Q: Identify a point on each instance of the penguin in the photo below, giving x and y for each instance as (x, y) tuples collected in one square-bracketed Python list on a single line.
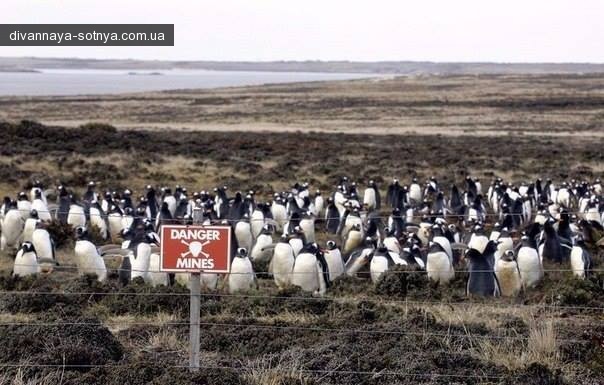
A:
[(43, 245), (164, 216), (241, 276), (478, 240), (504, 243), (243, 233), (360, 258), (76, 216), (38, 189), (279, 212), (508, 274), (98, 219), (127, 218), (308, 272), (415, 192), (580, 260), (391, 242), (353, 240), (332, 217), (157, 277), (140, 258), (529, 263), (282, 262), (438, 264), (114, 220), (170, 201), (318, 203), (297, 240), (87, 256), (90, 194), (412, 254), (371, 196), (482, 280), (335, 263), (257, 221), (26, 261), (438, 237), (550, 247), (23, 205), (39, 204), (263, 240), (30, 225), (380, 262), (307, 224)]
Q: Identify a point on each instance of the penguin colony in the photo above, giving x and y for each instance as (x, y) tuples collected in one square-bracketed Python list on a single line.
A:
[(501, 235)]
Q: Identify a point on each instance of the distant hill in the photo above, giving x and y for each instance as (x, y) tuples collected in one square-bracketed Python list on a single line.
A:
[(391, 67)]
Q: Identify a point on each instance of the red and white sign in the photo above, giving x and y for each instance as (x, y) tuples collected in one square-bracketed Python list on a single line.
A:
[(195, 248)]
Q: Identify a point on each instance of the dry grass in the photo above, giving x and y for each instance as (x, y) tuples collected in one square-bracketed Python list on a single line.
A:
[(52, 378), (165, 341), (541, 346), (281, 369)]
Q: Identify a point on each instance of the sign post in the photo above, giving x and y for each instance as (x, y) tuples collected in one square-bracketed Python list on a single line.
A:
[(195, 249)]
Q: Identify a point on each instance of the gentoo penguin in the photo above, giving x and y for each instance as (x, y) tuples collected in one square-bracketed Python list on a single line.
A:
[(140, 258), (332, 217), (478, 240), (504, 243), (297, 240), (580, 260), (12, 227), (335, 263), (114, 219), (157, 277), (44, 246), (371, 196), (40, 206), (415, 192), (358, 260), (30, 225), (241, 277), (310, 272), (76, 216), (482, 280), (170, 200), (391, 242), (529, 263), (319, 204), (164, 216), (38, 189), (353, 240), (508, 274), (127, 218), (98, 219), (282, 263), (257, 221), (263, 240), (279, 212), (439, 264), (307, 224), (26, 261), (87, 256), (243, 233), (381, 261), (550, 247), (412, 254), (23, 205)]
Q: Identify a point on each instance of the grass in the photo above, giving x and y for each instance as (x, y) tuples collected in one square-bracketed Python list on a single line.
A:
[(282, 369)]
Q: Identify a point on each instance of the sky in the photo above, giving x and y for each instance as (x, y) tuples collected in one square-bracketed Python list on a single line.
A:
[(359, 30)]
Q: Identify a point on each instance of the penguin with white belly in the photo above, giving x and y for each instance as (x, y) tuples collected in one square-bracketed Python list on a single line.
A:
[(482, 280), (439, 264), (243, 233), (98, 219), (335, 263), (282, 263), (76, 216), (353, 240), (529, 263), (241, 276), (297, 240), (508, 274), (319, 204), (310, 271), (40, 206), (140, 259), (30, 225), (23, 205), (332, 217), (580, 259), (381, 261), (26, 261), (44, 246), (263, 240), (371, 197), (412, 254), (87, 256), (307, 224), (358, 261)]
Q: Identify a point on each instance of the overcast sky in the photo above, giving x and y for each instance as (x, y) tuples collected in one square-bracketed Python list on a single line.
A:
[(367, 30)]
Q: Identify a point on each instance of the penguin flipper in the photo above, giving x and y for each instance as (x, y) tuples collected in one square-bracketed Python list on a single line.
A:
[(497, 290)]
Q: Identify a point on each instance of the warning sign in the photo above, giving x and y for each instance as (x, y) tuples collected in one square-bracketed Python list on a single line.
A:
[(195, 248)]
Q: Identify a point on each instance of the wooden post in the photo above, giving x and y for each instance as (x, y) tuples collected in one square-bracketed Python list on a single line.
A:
[(195, 310)]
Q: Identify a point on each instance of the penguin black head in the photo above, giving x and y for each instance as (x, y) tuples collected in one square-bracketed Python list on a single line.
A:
[(38, 194), (241, 252), (33, 214), (22, 196), (81, 232), (508, 256), (331, 245), (28, 247)]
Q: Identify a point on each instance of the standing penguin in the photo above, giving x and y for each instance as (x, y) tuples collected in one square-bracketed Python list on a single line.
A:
[(439, 264), (482, 280), (87, 256), (98, 219), (529, 263), (76, 216), (308, 272), (257, 220), (580, 260), (307, 224), (371, 196), (243, 233), (170, 201), (30, 225), (23, 205), (332, 217), (140, 259), (12, 227), (26, 261), (263, 240), (550, 247), (508, 274), (353, 240), (319, 204), (279, 212), (381, 261), (44, 246), (39, 204), (335, 263), (282, 263), (241, 276)]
